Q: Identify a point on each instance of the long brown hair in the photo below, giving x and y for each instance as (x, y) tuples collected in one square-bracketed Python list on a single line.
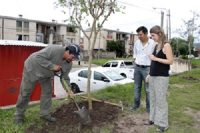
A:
[(160, 32)]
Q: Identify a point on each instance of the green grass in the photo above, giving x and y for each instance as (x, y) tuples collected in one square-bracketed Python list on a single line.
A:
[(195, 63), (100, 61), (116, 94), (31, 117)]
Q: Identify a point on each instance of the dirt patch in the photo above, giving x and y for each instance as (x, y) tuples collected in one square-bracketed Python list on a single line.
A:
[(195, 115), (133, 123), (68, 122), (181, 86), (190, 78)]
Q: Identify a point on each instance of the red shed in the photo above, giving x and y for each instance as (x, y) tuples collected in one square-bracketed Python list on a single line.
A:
[(12, 57)]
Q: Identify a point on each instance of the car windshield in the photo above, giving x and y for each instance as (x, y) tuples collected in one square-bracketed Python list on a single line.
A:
[(128, 63), (113, 75)]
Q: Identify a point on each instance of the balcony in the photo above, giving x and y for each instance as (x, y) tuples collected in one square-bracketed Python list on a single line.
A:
[(19, 29), (71, 34)]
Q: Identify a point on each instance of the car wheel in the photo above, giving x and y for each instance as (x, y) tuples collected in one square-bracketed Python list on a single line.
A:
[(75, 88), (124, 75)]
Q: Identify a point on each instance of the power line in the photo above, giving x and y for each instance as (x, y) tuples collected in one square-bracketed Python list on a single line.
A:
[(141, 7)]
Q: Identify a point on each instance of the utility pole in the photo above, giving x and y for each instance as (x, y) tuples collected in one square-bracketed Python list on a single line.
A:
[(169, 16), (162, 19), (168, 21)]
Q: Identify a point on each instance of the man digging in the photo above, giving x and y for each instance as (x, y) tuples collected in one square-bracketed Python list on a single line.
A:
[(40, 67)]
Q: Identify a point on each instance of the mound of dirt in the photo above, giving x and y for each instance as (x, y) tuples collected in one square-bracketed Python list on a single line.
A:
[(68, 121)]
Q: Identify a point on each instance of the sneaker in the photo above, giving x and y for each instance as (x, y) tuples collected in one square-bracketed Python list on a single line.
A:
[(48, 118), (149, 123), (133, 108), (162, 129)]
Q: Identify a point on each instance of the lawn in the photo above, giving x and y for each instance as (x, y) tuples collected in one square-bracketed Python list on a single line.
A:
[(183, 100)]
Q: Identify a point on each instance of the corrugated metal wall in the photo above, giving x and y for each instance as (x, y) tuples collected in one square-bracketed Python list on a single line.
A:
[(11, 66)]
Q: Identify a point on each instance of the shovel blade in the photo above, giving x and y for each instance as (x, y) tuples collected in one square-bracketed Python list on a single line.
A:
[(84, 116)]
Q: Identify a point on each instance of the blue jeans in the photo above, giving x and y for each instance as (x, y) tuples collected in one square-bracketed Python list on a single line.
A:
[(139, 75)]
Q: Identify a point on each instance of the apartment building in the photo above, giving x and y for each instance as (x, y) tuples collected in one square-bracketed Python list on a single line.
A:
[(12, 28), (105, 35)]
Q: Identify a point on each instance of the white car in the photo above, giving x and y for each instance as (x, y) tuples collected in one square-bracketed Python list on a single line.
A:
[(100, 78), (123, 67)]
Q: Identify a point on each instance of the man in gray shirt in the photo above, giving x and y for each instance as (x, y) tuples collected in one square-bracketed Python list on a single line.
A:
[(40, 67)]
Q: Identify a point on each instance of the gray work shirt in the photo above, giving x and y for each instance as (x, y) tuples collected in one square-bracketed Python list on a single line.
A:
[(39, 65)]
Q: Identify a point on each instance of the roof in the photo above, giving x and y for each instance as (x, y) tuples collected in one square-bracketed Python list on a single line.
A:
[(104, 29), (37, 21), (196, 45), (21, 43)]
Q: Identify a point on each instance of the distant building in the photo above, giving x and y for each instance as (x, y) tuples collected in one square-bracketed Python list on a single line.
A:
[(105, 35), (12, 28), (197, 49)]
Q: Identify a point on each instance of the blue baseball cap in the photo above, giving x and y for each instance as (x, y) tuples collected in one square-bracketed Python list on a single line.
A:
[(74, 49)]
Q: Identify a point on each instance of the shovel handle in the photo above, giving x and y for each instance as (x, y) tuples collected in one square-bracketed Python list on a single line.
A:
[(67, 88), (77, 106)]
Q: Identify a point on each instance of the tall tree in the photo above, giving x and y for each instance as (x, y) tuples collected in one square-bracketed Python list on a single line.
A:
[(190, 30), (179, 46), (93, 13)]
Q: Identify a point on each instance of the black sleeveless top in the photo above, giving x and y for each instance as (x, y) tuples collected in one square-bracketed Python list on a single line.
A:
[(157, 68)]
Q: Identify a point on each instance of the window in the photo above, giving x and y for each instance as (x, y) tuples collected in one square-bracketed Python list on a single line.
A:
[(70, 40), (26, 25), (99, 76), (107, 64), (128, 63), (83, 74), (19, 37), (39, 37), (109, 35), (114, 64), (118, 37), (26, 38), (19, 24), (71, 29)]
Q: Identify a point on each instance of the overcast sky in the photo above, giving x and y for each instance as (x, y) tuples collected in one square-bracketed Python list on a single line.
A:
[(137, 12)]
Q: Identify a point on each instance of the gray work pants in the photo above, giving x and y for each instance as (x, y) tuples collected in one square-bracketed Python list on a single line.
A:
[(158, 100), (26, 89)]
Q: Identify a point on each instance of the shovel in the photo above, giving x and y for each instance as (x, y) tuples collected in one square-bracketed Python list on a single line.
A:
[(83, 113)]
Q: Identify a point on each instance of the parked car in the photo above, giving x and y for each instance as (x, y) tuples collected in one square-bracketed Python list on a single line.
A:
[(100, 78), (123, 67)]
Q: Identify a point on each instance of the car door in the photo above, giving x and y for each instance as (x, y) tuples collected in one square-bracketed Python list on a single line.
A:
[(99, 81), (82, 80)]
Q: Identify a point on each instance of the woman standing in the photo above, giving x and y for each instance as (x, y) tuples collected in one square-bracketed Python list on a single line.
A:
[(161, 58)]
